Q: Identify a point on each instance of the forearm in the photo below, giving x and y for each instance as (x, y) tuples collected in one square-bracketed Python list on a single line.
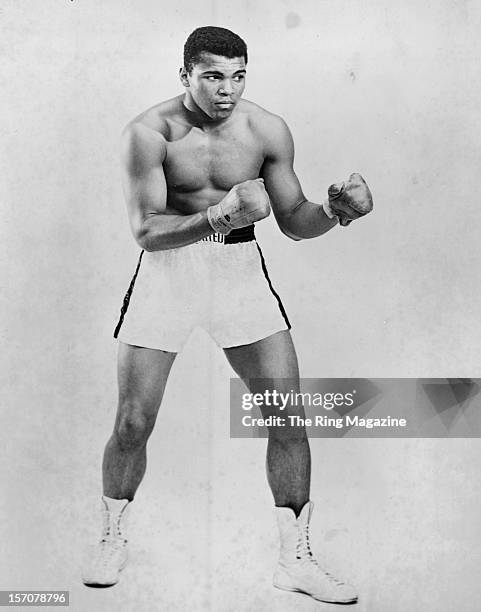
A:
[(161, 232), (307, 220)]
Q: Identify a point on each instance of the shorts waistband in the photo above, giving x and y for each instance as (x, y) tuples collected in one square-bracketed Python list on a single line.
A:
[(243, 234)]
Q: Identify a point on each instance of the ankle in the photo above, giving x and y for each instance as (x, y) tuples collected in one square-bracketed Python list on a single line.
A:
[(113, 505), (114, 518)]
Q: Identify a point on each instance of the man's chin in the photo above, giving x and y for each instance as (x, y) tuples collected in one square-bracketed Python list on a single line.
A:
[(223, 110)]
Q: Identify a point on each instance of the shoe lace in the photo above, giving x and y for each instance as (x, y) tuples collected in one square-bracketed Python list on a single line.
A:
[(305, 554), (112, 540), (111, 529)]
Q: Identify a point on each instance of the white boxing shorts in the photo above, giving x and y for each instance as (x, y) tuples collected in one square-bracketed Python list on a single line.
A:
[(219, 283)]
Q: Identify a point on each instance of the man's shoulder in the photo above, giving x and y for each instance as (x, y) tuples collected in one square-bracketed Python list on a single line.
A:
[(261, 119), (155, 119), (269, 128)]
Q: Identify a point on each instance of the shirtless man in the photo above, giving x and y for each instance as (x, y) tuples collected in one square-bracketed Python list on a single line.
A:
[(199, 170)]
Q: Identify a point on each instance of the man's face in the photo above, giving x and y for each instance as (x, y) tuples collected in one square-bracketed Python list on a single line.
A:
[(215, 84)]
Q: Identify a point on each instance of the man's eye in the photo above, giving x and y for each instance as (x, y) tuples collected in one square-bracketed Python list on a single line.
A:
[(239, 78), (212, 78)]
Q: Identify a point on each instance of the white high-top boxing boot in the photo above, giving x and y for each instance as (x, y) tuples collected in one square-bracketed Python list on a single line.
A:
[(298, 569), (109, 556)]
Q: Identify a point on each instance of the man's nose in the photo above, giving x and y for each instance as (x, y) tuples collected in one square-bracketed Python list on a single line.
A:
[(226, 88)]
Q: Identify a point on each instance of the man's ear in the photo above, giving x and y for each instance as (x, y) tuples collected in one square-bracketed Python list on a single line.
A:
[(183, 76)]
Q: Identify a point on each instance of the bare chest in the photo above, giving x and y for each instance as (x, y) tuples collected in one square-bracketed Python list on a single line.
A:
[(202, 161)]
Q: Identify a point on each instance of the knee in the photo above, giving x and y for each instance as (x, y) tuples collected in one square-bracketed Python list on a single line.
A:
[(134, 425)]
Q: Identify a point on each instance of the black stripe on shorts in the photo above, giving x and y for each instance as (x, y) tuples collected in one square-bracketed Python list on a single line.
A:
[(281, 307), (126, 301)]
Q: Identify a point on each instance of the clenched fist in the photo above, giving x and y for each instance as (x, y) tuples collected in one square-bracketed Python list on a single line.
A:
[(349, 200), (245, 203)]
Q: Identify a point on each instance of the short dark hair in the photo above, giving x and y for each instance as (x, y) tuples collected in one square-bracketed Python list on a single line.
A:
[(211, 39)]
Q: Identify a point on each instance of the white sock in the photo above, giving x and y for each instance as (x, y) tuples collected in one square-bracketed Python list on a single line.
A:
[(116, 506)]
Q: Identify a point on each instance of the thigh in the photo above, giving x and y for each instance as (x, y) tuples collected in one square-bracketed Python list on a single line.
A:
[(272, 357), (142, 376), (269, 365)]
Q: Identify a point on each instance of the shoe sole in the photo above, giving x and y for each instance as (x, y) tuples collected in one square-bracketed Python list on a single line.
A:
[(96, 585), (103, 585), (334, 601)]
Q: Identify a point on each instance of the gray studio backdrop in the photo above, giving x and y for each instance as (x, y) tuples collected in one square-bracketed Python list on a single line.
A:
[(390, 90)]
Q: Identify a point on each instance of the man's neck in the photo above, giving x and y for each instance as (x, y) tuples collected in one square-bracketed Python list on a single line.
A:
[(197, 118)]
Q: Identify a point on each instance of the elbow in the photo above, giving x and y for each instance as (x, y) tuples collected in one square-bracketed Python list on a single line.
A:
[(142, 238), (148, 245), (285, 223), (144, 246), (289, 234), (151, 243), (149, 238)]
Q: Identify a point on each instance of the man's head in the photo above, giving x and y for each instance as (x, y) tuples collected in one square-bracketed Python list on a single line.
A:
[(214, 71), (217, 41)]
